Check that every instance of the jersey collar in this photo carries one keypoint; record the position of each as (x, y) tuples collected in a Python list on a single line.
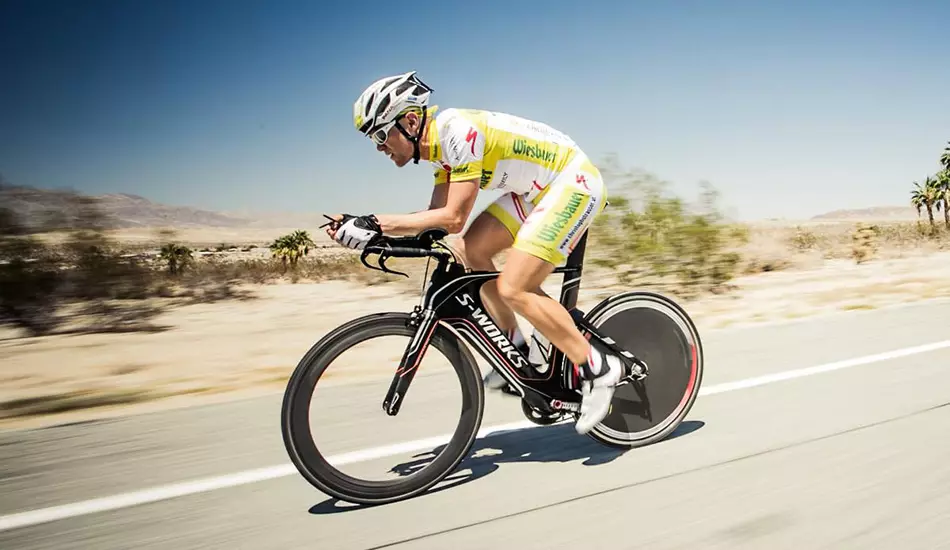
[(435, 145)]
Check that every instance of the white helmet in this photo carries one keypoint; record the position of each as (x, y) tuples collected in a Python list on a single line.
[(383, 103)]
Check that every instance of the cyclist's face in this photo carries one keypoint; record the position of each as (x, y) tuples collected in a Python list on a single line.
[(397, 147)]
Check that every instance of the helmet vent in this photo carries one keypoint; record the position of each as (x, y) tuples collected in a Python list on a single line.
[(382, 105)]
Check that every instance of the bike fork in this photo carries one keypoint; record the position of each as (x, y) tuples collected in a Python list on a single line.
[(425, 322)]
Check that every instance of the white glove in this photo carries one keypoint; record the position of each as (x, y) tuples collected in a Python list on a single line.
[(356, 232)]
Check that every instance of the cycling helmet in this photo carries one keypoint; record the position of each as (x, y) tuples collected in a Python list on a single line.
[(385, 101)]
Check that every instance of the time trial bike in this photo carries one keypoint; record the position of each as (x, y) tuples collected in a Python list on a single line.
[(657, 340)]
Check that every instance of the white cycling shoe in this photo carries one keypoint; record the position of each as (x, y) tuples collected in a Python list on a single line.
[(598, 393)]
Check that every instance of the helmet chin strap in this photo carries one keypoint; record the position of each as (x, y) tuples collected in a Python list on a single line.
[(414, 139)]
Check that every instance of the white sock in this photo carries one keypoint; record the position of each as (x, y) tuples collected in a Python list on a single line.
[(516, 337), (593, 360)]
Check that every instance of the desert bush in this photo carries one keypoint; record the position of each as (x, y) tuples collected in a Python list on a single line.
[(177, 257), (804, 239), (40, 282), (648, 237), (863, 245), (29, 279), (836, 241)]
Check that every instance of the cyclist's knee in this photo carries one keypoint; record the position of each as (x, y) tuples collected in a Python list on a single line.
[(512, 291), (508, 291)]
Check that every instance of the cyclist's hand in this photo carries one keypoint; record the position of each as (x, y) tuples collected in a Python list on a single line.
[(355, 232), (333, 224)]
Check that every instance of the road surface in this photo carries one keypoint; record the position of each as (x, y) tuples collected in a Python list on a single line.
[(852, 454)]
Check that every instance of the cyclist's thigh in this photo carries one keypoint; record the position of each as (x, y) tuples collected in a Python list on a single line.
[(564, 213), (494, 229)]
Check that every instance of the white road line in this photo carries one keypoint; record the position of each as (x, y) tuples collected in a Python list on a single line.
[(819, 369), (164, 492)]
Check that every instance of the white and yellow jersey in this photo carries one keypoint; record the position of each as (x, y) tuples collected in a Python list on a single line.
[(502, 151)]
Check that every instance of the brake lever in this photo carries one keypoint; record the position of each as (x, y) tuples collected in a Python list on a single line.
[(366, 252), (382, 263)]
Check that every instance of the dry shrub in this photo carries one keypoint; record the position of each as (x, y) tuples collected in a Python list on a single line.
[(863, 245), (650, 238), (809, 245), (46, 286)]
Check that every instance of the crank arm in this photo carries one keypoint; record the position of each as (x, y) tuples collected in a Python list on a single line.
[(635, 367)]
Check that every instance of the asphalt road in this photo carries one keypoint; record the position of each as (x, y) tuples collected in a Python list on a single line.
[(849, 458)]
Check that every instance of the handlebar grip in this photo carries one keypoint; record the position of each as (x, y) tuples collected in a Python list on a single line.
[(405, 252)]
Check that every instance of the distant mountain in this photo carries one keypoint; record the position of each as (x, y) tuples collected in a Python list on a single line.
[(135, 211), (874, 213), (37, 208)]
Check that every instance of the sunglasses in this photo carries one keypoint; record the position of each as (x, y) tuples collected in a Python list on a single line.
[(379, 136)]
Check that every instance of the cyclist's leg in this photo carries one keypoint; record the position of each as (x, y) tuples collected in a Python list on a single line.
[(538, 248), (486, 237), (524, 271), (492, 232), (546, 238)]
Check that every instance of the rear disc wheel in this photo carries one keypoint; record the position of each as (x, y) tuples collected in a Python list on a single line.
[(658, 332)]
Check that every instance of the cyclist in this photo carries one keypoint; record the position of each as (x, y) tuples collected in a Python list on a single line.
[(554, 193)]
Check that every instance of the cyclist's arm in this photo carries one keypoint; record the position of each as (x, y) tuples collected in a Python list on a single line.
[(440, 194), (459, 198)]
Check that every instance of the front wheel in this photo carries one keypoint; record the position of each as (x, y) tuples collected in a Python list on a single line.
[(660, 333), (295, 417)]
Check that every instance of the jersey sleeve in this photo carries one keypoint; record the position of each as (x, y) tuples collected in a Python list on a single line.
[(463, 144)]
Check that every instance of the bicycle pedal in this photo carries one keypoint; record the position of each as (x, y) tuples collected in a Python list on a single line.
[(635, 369)]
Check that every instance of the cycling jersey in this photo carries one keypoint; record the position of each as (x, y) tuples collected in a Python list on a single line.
[(554, 191), (502, 151)]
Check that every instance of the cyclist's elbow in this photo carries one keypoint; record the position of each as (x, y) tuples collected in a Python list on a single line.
[(454, 224)]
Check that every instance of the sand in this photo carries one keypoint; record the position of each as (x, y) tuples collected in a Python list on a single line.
[(225, 350)]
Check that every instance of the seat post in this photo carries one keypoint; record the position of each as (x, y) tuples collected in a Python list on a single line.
[(570, 286)]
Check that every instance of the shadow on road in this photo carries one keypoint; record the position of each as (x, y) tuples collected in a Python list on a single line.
[(558, 443)]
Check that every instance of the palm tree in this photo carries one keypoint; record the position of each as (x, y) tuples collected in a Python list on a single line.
[(945, 158), (925, 196), (943, 194), (289, 248), (177, 257)]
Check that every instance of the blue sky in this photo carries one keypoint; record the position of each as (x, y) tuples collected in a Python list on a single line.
[(788, 108)]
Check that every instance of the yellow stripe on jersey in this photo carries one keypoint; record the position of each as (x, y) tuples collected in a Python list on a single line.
[(464, 172)]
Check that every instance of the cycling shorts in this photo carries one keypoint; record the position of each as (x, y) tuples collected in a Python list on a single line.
[(550, 225)]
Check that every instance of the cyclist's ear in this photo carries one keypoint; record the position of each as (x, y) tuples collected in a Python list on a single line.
[(412, 121)]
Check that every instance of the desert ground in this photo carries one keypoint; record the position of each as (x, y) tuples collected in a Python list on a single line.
[(206, 352)]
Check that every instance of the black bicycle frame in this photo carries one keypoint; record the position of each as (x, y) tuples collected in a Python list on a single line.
[(452, 297)]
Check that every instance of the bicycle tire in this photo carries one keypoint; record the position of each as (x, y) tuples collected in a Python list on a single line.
[(295, 422), (633, 320)]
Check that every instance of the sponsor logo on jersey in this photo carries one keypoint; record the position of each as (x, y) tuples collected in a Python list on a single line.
[(561, 218), (455, 145), (587, 211), (536, 151), (486, 178)]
